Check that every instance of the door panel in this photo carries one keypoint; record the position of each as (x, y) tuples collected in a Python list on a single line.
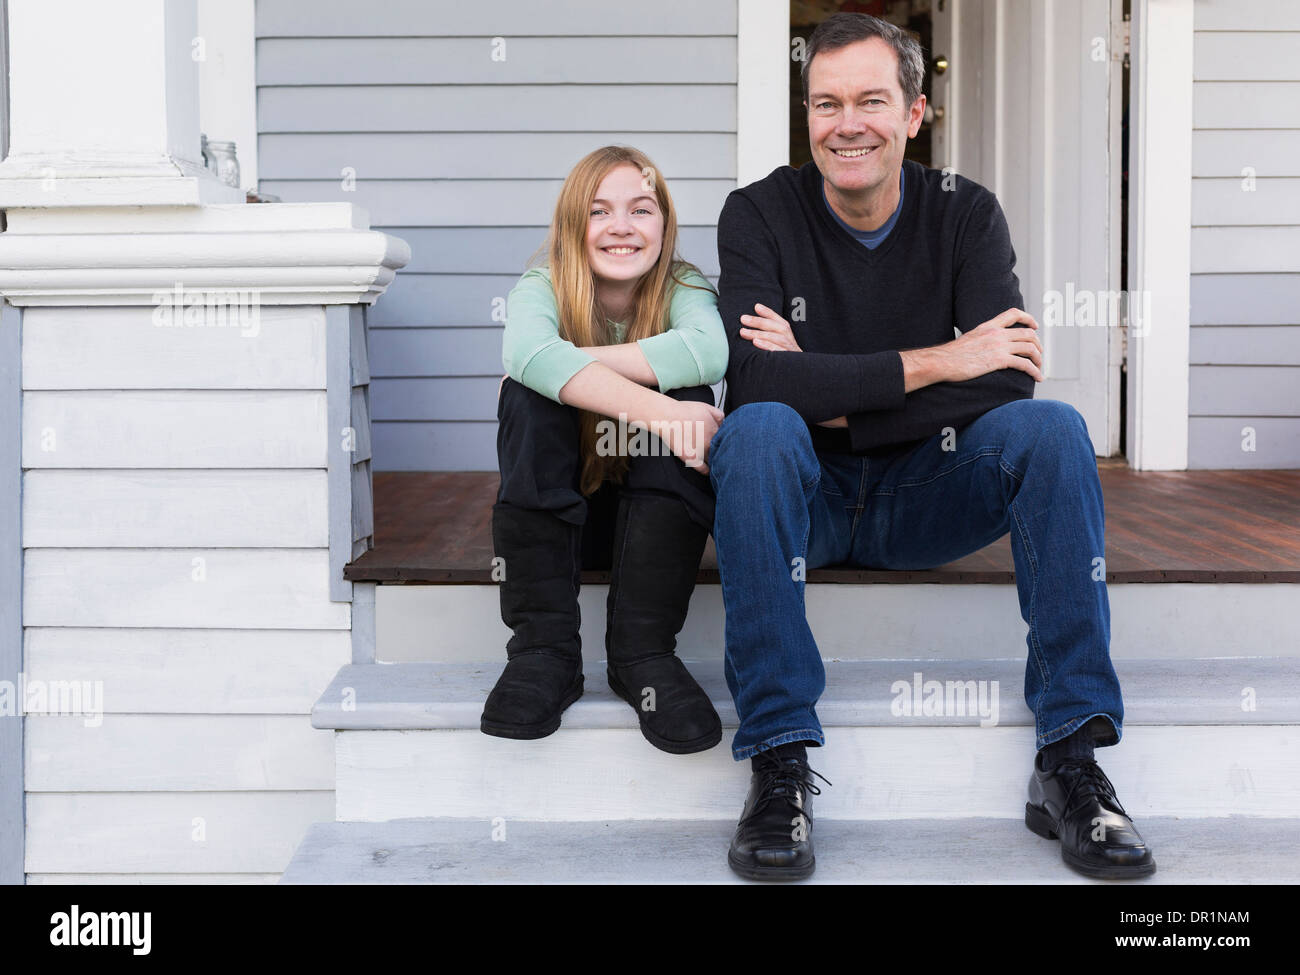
[(1032, 113)]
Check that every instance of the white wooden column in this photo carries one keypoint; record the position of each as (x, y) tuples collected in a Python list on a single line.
[(228, 79), (104, 106), (193, 463)]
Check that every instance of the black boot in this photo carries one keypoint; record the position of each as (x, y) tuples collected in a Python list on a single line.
[(539, 602), (657, 551)]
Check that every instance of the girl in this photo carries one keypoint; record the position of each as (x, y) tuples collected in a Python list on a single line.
[(615, 325)]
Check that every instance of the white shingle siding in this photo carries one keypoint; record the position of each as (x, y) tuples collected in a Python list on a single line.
[(176, 557)]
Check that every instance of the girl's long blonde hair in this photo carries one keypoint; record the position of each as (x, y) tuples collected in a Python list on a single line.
[(581, 320)]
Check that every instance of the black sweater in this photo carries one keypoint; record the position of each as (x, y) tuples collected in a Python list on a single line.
[(947, 263)]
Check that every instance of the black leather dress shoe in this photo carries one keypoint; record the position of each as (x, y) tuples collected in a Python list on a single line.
[(1076, 804), (773, 839)]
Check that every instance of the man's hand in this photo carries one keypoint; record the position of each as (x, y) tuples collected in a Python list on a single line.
[(689, 432), (768, 330), (993, 345)]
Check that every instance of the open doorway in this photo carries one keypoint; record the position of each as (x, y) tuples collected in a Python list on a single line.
[(1028, 100)]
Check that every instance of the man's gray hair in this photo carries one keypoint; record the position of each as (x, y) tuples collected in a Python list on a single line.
[(841, 30)]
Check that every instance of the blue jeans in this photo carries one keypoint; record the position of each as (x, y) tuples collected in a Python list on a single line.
[(1026, 467)]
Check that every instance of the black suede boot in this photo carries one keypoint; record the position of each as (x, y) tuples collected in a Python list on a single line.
[(657, 551), (539, 602)]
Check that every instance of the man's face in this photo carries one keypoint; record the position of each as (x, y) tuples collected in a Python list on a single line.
[(858, 124)]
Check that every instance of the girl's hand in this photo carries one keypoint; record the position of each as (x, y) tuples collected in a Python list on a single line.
[(768, 330), (689, 432)]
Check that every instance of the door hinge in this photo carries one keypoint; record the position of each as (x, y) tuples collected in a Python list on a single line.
[(1120, 40)]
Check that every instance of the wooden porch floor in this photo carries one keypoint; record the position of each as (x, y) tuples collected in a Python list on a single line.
[(1182, 526)]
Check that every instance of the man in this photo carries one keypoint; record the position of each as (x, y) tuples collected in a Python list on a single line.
[(862, 432)]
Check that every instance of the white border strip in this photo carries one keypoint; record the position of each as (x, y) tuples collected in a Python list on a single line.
[(1160, 232), (762, 88)]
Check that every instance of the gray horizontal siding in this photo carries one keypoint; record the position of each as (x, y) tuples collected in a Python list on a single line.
[(1226, 202), (1247, 15), (482, 202), (416, 352), (1246, 105), (1244, 396), (438, 398), (408, 18), (485, 155), (1221, 442), (1228, 152), (489, 61), (1245, 299), (1238, 55), (1244, 391), (1245, 249), (401, 108), (1245, 345), (441, 446), (495, 108), (439, 299), (485, 250), (444, 300)]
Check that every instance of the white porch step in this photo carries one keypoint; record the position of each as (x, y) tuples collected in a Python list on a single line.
[(408, 746), (958, 851), (462, 623), (449, 696)]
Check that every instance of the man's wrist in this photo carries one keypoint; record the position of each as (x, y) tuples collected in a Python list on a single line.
[(923, 367)]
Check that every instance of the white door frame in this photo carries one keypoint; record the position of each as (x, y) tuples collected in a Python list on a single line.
[(1160, 139)]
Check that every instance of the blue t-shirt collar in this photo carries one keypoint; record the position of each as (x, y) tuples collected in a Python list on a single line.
[(870, 238)]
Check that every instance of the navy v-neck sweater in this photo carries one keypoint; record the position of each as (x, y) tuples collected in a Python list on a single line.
[(948, 263)]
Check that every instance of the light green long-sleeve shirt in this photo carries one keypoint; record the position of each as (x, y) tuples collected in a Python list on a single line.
[(691, 352)]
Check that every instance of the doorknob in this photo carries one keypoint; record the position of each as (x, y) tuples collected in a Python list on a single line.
[(939, 64)]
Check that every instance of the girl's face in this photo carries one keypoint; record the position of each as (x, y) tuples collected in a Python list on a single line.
[(625, 229)]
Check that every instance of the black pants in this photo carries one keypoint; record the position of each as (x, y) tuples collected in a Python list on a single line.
[(540, 460)]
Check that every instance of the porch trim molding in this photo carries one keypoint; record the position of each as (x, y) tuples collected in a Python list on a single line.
[(1160, 232), (272, 253)]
